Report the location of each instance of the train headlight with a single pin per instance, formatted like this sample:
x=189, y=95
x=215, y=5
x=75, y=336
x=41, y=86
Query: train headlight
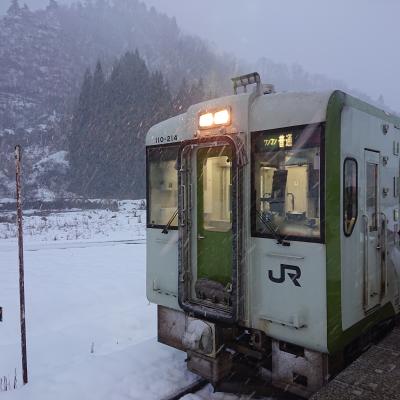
x=222, y=117
x=215, y=119
x=206, y=120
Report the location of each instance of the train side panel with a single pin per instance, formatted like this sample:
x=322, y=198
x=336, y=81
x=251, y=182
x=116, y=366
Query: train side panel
x=370, y=278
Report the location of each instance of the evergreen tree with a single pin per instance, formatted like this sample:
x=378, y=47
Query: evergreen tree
x=85, y=100
x=98, y=83
x=53, y=5
x=182, y=98
x=188, y=95
x=111, y=119
x=14, y=8
x=197, y=93
x=79, y=131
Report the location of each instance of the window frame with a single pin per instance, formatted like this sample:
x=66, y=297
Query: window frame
x=148, y=148
x=344, y=195
x=295, y=238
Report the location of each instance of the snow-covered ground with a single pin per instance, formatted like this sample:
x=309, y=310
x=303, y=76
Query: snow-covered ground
x=91, y=332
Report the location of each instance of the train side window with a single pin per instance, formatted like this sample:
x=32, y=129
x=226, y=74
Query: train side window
x=350, y=195
x=162, y=186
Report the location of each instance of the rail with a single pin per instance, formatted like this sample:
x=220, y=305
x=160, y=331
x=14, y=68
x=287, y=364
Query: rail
x=191, y=388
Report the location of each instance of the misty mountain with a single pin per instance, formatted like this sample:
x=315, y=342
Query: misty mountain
x=44, y=54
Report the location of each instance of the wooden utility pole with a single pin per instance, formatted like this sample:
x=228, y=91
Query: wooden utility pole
x=18, y=157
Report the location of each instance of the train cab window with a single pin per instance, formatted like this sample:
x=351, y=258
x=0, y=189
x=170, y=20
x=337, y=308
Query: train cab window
x=350, y=195
x=286, y=176
x=162, y=195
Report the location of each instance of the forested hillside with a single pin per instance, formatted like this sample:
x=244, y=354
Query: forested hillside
x=43, y=58
x=44, y=53
x=65, y=128
x=110, y=121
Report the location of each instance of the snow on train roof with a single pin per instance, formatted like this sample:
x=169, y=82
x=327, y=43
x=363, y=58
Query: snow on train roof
x=267, y=112
x=288, y=109
x=277, y=110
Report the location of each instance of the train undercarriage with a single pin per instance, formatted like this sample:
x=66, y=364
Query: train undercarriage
x=237, y=359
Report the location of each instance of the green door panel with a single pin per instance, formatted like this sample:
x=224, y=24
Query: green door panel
x=214, y=220
x=214, y=257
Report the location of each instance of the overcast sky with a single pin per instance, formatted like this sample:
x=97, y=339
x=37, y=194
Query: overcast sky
x=356, y=41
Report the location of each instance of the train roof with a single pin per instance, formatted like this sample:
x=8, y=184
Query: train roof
x=269, y=111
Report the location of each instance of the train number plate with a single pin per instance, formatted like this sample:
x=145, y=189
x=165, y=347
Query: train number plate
x=166, y=139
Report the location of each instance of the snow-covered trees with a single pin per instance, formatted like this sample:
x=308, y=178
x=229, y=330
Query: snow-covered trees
x=14, y=8
x=110, y=122
x=188, y=95
x=53, y=5
x=45, y=54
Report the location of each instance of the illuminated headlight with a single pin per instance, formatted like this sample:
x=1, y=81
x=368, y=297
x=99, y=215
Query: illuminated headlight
x=206, y=120
x=214, y=119
x=222, y=117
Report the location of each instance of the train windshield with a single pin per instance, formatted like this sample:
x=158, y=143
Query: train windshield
x=287, y=182
x=162, y=184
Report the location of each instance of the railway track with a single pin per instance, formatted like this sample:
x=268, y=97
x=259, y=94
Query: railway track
x=250, y=389
x=192, y=388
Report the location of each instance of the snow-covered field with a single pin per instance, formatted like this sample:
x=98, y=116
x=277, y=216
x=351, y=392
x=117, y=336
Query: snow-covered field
x=127, y=222
x=91, y=332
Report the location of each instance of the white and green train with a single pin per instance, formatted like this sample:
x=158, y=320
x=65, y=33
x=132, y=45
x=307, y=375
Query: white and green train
x=273, y=232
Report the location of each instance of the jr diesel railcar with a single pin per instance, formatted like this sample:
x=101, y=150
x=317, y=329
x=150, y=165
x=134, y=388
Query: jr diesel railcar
x=273, y=231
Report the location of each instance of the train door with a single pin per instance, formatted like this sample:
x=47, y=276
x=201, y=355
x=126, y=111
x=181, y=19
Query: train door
x=214, y=218
x=372, y=253
x=209, y=231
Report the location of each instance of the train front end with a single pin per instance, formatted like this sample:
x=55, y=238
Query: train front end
x=235, y=239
